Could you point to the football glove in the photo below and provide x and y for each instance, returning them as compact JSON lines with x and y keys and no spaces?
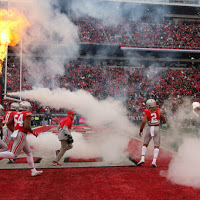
{"x":70,"y":140}
{"x":35,"y":133}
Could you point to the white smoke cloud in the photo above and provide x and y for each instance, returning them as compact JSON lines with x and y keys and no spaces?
{"x":110,"y":148}
{"x":108,"y":117}
{"x":108,"y":113}
{"x":51,"y":37}
{"x":108,"y":13}
{"x":184,"y":168}
{"x":45,"y":144}
{"x":180,"y":122}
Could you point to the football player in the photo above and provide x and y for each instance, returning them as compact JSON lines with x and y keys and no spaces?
{"x":152,"y":115}
{"x":14,"y":107}
{"x":3,"y":146}
{"x":21,"y":120}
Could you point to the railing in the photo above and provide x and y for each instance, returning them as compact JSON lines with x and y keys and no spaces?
{"x":167,"y":2}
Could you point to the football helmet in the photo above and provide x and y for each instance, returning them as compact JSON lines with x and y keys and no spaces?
{"x":1,"y":109}
{"x":14,"y":106}
{"x":195,"y":105}
{"x":25,"y":105}
{"x":151,"y":103}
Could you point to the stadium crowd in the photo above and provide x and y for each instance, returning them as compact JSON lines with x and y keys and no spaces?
{"x":131,"y":85}
{"x":182,"y":34}
{"x":142,"y":33}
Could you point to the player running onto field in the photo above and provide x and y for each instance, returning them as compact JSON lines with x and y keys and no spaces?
{"x":152,"y":115}
{"x":3,"y":146}
{"x":21,"y":120}
{"x":14,"y":107}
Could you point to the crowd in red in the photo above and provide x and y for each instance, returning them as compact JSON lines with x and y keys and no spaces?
{"x":179,"y":34}
{"x":131,"y":85}
{"x":139,"y":33}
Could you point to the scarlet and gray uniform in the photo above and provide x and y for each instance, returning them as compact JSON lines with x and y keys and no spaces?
{"x":20,"y":142}
{"x":6,"y":132}
{"x":153,"y":129}
{"x":62,"y":132}
{"x":3,"y":146}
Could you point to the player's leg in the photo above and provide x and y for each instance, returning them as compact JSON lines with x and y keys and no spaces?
{"x":3,"y":146}
{"x":64,"y":147}
{"x":7,"y":136}
{"x":156,"y":140}
{"x":147,"y":139}
{"x":16,"y":147}
{"x":30,"y":160}
{"x":69,"y":146}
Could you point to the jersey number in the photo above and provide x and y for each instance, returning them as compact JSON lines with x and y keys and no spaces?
{"x":153,"y":117}
{"x":18,"y":120}
{"x":7,"y":117}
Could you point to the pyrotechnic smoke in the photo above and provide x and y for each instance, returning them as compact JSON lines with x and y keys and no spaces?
{"x":108,"y":117}
{"x":185,"y":165}
{"x":184,"y":168}
{"x":50,"y":42}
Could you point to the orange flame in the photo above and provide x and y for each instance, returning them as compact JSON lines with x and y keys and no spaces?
{"x":12,"y":26}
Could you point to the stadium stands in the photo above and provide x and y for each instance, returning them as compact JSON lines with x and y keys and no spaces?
{"x":130,"y":85}
{"x":182,"y":34}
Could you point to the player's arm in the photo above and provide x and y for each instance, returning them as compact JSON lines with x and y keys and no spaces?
{"x":163,"y":119}
{"x":143,"y":123}
{"x":1,"y":125}
{"x":27,"y":124}
{"x":10,"y":124}
{"x":66,"y":130}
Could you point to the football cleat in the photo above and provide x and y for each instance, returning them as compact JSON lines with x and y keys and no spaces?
{"x":36,"y":173}
{"x":154,"y":164}
{"x":55,"y":163}
{"x":140,"y":163}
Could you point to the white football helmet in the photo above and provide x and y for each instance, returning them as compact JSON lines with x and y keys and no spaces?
{"x":14,"y":106}
{"x":151,"y":103}
{"x":1,"y":109}
{"x":195,"y":105}
{"x":25,"y":105}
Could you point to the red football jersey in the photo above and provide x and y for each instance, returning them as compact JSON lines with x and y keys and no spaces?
{"x":153,"y":117}
{"x":67,"y":122}
{"x":1,"y":118}
{"x":19,"y":118}
{"x":8,"y":116}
